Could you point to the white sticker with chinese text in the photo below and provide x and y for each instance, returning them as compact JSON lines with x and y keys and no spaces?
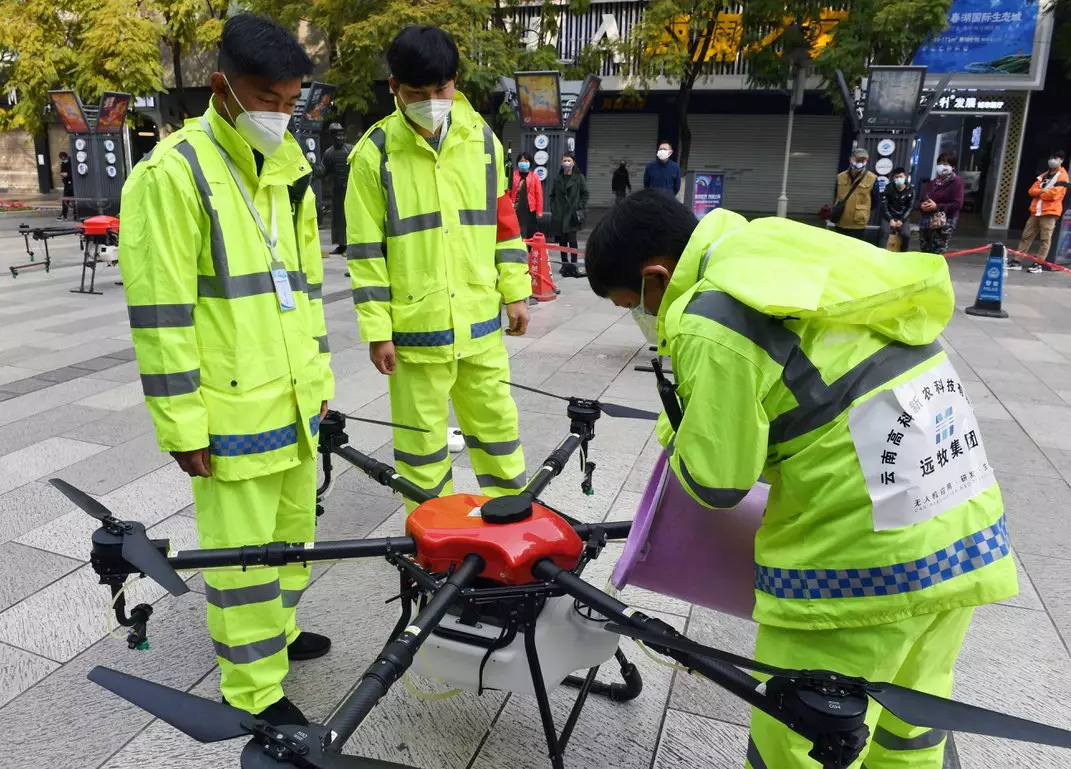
{"x":920,"y":449}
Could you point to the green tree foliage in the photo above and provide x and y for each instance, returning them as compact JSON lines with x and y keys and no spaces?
{"x":90,"y":46}
{"x":189,"y":25}
{"x":778,"y":32}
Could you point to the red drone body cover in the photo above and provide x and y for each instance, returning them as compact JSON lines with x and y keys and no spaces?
{"x":447,"y":529}
{"x":99,"y":226}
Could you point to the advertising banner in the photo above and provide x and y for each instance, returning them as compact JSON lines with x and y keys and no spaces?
{"x":70,"y":111}
{"x":706,"y":191}
{"x":984,"y":37}
{"x":539,"y":99}
{"x":113,"y":107}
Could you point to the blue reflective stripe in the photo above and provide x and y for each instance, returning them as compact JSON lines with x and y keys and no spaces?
{"x":314,"y":424}
{"x":961,"y":557}
{"x":255,"y":443}
{"x":485,"y":327}
{"x":423,"y":338}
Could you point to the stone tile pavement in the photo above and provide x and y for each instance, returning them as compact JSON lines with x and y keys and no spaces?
{"x":70,"y":407}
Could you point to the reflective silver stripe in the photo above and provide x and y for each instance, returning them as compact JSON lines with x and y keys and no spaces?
{"x":356,"y":251}
{"x":486,"y":481}
{"x":494,"y":448}
{"x":324,"y":346}
{"x":228,"y":598}
{"x":164,"y":385}
{"x":315,"y":291}
{"x":928,"y":739}
{"x":489,"y":214}
{"x":291,"y":598}
{"x":371,"y":294}
{"x":715,"y":497}
{"x":238,"y":286}
{"x":396,"y":225}
{"x":821,"y":406}
{"x":219,"y":247}
{"x":419,"y":460}
{"x":818,"y":403}
{"x":753,"y":756}
{"x":442,"y":484}
{"x":250,"y":652}
{"x":511,"y":256}
{"x":161,"y":316}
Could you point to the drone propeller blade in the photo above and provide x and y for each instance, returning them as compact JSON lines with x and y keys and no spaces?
{"x":534,"y":390}
{"x":140,"y":553}
{"x":627,"y":412}
{"x":385,"y":424}
{"x":921,"y":709}
{"x":201,"y":719}
{"x":82,"y":500}
{"x":681,"y":644}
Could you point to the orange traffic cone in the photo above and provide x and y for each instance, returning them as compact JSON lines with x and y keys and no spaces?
{"x":543,"y":288}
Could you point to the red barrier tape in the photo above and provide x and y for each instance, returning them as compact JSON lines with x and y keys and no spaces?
{"x":1020,"y":254}
{"x":556,"y":247}
{"x":968,"y":251}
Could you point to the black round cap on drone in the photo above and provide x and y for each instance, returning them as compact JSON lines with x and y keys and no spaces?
{"x":510,"y":509}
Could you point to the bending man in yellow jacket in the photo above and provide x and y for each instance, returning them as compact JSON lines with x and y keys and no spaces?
{"x":222,"y":266}
{"x":434,"y":252}
{"x":813,"y":358}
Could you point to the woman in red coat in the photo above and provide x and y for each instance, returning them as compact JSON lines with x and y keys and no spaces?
{"x":526,"y":192}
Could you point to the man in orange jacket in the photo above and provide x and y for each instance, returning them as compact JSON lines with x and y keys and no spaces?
{"x":1046,"y":207}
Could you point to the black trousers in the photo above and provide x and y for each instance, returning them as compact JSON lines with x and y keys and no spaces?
{"x":69,"y":205}
{"x":568,"y":240}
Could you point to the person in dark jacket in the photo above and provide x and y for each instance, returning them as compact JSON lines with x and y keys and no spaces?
{"x":663,"y":173}
{"x":68,"y":186}
{"x":568,"y":207}
{"x":896,"y":204}
{"x":620,"y":184}
{"x":943,"y":195}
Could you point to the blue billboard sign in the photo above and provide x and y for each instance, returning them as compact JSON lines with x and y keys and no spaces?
{"x":984,"y":37}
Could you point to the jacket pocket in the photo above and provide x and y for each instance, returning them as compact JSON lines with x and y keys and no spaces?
{"x":243,"y":371}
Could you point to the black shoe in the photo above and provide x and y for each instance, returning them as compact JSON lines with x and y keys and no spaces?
{"x":280,"y":713}
{"x":308,"y":646}
{"x":339,"y":250}
{"x":1034,"y":269}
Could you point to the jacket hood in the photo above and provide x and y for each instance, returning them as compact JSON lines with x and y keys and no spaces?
{"x":784,"y":268}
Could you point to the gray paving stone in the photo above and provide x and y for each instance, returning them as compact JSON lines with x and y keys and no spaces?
{"x":25,"y":432}
{"x":124,"y":372}
{"x":80,"y":353}
{"x":113,"y":428}
{"x":25,"y":570}
{"x":610,"y":473}
{"x":29,"y":464}
{"x":1056,"y":375}
{"x":75,"y":327}
{"x":697,"y":695}
{"x":690,"y":741}
{"x":181,"y":655}
{"x":19,"y":670}
{"x":28,"y":507}
{"x":1061,"y":460}
{"x":622,"y":735}
{"x":1028,"y":597}
{"x":1037,"y":514}
{"x":352,"y":515}
{"x":24,"y":406}
{"x":24,"y":386}
{"x":1049,"y":577}
{"x":117,"y":398}
{"x":995,"y":671}
{"x":15,"y":373}
{"x":65,"y":374}
{"x":986,"y":405}
{"x":1059,"y":342}
{"x":1031,"y":350}
{"x":23,"y":354}
{"x":115,"y":467}
{"x":1048,"y":426}
{"x":150,"y":499}
{"x":640,"y":473}
{"x":598,"y":573}
{"x":1010,"y":449}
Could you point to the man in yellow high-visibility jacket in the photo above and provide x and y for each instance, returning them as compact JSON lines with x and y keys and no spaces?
{"x":222,"y":266}
{"x":434,"y":252}
{"x":813,"y":359}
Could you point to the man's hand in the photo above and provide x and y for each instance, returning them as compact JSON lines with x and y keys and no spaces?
{"x":517,"y":312}
{"x":383,"y":357}
{"x":928,"y":205}
{"x":196,"y":464}
{"x":896,"y":224}
{"x":323,"y":410}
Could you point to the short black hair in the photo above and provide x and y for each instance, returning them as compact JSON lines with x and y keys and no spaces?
{"x":63,"y":154}
{"x":1058,"y":154}
{"x":899,"y":170}
{"x":665,"y":141}
{"x":524,"y":156}
{"x":569,"y":154}
{"x":254,"y":45}
{"x":949,"y":157}
{"x":643,"y":226}
{"x":422,"y":56}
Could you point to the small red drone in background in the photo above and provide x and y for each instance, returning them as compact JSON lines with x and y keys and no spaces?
{"x":500,"y":604}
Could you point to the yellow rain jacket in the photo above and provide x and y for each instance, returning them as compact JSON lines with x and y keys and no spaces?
{"x":813,"y":358}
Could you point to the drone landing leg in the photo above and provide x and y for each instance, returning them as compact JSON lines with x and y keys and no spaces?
{"x":545,"y":714}
{"x":623,"y":692}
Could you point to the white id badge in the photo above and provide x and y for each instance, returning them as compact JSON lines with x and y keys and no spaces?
{"x":282,"y":286}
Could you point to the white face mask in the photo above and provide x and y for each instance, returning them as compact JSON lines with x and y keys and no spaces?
{"x":429,"y":114}
{"x":857,"y":165}
{"x":944,"y":170}
{"x":1054,"y":162}
{"x":664,"y":154}
{"x":647,"y":322}
{"x":262,"y":130}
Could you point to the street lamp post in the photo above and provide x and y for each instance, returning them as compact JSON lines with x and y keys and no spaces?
{"x":799,"y":80}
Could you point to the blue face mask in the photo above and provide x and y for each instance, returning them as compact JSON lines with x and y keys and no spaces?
{"x":524,"y":165}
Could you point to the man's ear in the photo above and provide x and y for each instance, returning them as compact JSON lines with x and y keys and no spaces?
{"x":658,"y":272}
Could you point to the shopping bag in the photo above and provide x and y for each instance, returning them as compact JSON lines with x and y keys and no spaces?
{"x":893,"y":243}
